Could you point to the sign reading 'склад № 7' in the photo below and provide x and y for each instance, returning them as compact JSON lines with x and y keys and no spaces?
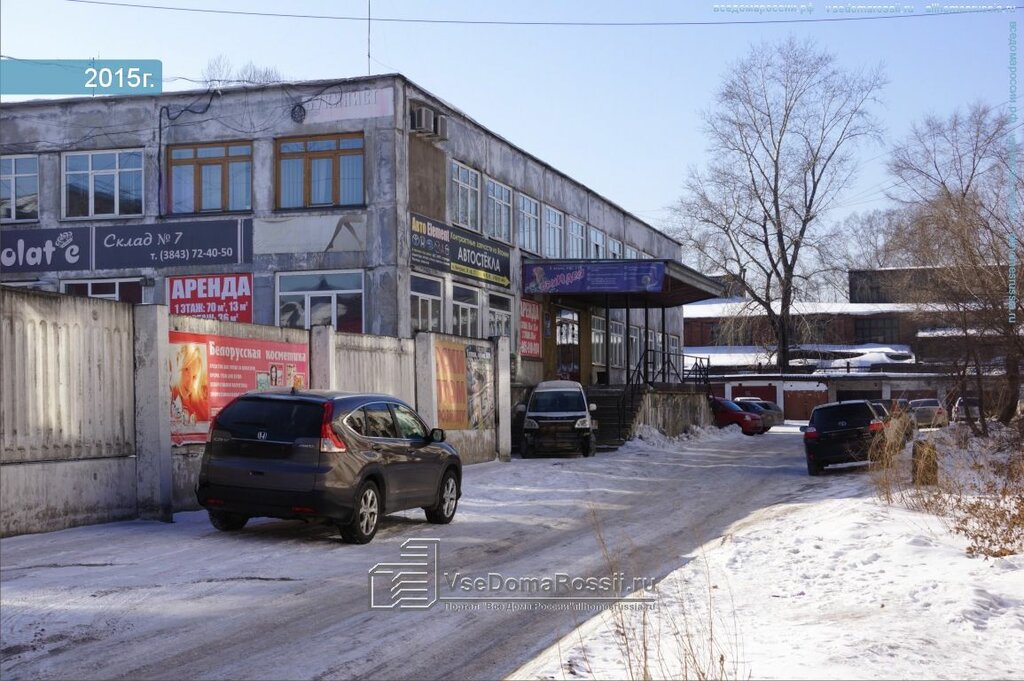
{"x":444,"y":248}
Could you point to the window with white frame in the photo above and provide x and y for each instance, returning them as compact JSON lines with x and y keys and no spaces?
{"x":644,"y":256}
{"x":499,"y":315}
{"x":19,"y":188}
{"x":634,"y":347}
{"x":576,"y":242}
{"x":123,"y":290}
{"x":306,"y":299}
{"x":617,"y":343}
{"x":425,"y":304}
{"x":103,"y":183}
{"x":597,"y":244}
{"x":529,"y":223}
{"x":465,"y":197}
{"x":659,"y":350}
{"x":614,"y":249}
{"x":598,"y":338}
{"x":554,"y":229}
{"x":673,"y":344}
{"x":498,"y":214}
{"x":632,"y":253}
{"x":465,"y":311}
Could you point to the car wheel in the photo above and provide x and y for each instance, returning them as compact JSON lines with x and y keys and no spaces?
{"x":226,"y":521}
{"x":365,"y":516}
{"x":587,"y":449}
{"x":447,"y":500}
{"x":814,"y":468}
{"x":526,"y":451}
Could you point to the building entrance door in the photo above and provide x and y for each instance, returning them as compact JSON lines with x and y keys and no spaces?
{"x":567,"y":344}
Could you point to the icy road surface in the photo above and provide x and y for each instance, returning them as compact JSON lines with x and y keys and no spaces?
{"x":286,"y":600}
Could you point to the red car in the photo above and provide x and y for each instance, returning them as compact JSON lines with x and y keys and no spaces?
{"x":727,"y":412}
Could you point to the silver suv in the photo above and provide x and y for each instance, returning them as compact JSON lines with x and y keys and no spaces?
{"x":346,"y":458}
{"x":558,"y":419}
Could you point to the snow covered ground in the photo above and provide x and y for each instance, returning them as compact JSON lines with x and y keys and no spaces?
{"x":834,"y":584}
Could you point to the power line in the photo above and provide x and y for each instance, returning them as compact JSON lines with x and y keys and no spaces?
{"x":497,"y":22}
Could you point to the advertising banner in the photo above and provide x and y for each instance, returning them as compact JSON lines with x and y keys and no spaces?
{"x":208,"y":371}
{"x":45,"y":250}
{"x":444,"y":248}
{"x":617,"y":276}
{"x":529,"y":329}
{"x":450,"y":361}
{"x":173,"y":244}
{"x":227,"y":297}
{"x":479,"y":387}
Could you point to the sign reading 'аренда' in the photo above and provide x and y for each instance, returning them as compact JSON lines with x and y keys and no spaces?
{"x":444,"y":248}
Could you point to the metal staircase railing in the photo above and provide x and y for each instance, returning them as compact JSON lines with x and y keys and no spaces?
{"x":655,"y":366}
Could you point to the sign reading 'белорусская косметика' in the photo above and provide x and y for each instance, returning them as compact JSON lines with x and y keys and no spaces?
{"x":444,"y":248}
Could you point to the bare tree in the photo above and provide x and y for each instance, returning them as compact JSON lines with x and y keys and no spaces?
{"x":958,"y":178}
{"x":219,"y":71}
{"x":783,"y":133}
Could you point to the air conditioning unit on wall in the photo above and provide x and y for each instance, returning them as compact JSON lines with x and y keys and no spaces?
{"x":423,"y":120}
{"x":441,"y":127}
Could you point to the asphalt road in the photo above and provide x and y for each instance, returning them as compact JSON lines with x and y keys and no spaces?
{"x":285,"y":600}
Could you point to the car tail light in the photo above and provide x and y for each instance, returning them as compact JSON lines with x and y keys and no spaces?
{"x":811,"y":433}
{"x":329,"y":440}
{"x":214,"y":502}
{"x":875,"y":426}
{"x":302,"y":509}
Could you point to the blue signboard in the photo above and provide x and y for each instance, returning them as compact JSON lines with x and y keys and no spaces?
{"x":45,"y":250}
{"x":617,"y":276}
{"x":173,"y":244}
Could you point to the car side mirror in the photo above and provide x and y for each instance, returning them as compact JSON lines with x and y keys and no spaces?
{"x":592,"y":407}
{"x":520,"y":408}
{"x":436,"y":435}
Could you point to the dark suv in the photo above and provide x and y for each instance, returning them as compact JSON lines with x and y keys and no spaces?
{"x":840,"y":432}
{"x":312,"y":454}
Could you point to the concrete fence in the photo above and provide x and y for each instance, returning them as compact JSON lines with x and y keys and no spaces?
{"x":363,"y":363}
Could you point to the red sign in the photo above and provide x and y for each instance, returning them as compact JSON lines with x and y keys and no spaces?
{"x":227,"y":297}
{"x":209,"y":371}
{"x":529,"y":329}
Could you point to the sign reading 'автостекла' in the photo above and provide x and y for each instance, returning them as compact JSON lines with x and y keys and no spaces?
{"x":444,"y":248}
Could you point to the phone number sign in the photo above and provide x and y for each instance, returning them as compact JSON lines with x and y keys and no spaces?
{"x":214,"y":242}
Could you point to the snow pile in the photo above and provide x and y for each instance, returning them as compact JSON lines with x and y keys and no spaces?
{"x":648,"y":437}
{"x":833,"y":584}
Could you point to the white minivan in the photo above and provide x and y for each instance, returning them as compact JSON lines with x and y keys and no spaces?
{"x":557,"y":418}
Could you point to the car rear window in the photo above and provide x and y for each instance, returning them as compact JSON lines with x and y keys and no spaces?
{"x":558,"y":400}
{"x":282,"y":420}
{"x":730,"y":405}
{"x":855,"y":415}
{"x":925,"y":403}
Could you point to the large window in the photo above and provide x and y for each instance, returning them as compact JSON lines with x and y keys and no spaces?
{"x":320,"y":171}
{"x":598,"y":338}
{"x":210,"y":177}
{"x":632,"y":253}
{"x":876,"y":330}
{"x":306,"y":299}
{"x":124,"y":290}
{"x":597,"y":244}
{"x":617,"y":344}
{"x":498,"y":215}
{"x":499,"y":315}
{"x":614,"y":249}
{"x":426,"y":303}
{"x":103,"y":183}
{"x":554,"y":228}
{"x":634,"y":347}
{"x":19,"y":188}
{"x":465,"y":311}
{"x":529,"y":223}
{"x":464,"y":204}
{"x":576,"y":242}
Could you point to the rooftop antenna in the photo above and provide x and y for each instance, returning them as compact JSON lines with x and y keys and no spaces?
{"x":368,"y":36}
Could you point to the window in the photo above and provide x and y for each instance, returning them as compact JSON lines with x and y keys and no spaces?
{"x":465,"y":311}
{"x":499,"y":316}
{"x":654,"y":350}
{"x":378,"y":421}
{"x":598,"y":340}
{"x":210,"y":177}
{"x":632,"y":253}
{"x":617,"y":344}
{"x":19,"y":188}
{"x":876,"y":330}
{"x":313,"y":298}
{"x":575,"y":244}
{"x":425,"y":305}
{"x":673,"y":344}
{"x":320,"y":171}
{"x":100,"y":183}
{"x":123,"y":290}
{"x":554,"y":227}
{"x":614,"y":249}
{"x":597,"y":244}
{"x":644,"y":256}
{"x":464,"y":203}
{"x":498,"y":215}
{"x":529,"y":223}
{"x":410,"y":427}
{"x":634,"y":346}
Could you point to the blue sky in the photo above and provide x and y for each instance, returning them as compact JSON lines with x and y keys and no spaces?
{"x":617,"y":108}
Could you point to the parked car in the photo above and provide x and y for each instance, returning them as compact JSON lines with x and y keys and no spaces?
{"x":899,"y":415}
{"x":841,"y":432}
{"x":557,"y":418}
{"x":755,"y":408}
{"x":880,"y":408}
{"x":773,"y":414}
{"x":727,"y":412}
{"x":929,"y":413}
{"x":347,"y":458}
{"x":965,"y":407}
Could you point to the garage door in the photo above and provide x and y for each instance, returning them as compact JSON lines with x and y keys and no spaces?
{"x":762,"y":392}
{"x":800,"y":403}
